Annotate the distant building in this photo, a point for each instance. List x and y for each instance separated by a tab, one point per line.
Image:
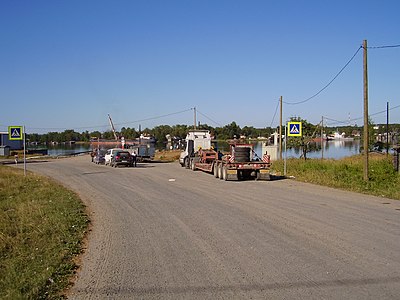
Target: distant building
14	145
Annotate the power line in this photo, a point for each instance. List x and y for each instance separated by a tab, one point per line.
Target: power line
156	117
382	47
117	124
359	118
64	128
276	109
209	118
329	83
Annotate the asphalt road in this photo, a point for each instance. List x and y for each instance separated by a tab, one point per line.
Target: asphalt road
163	232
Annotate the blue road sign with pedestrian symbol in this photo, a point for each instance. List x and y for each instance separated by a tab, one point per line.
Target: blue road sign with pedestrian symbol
15	133
294	129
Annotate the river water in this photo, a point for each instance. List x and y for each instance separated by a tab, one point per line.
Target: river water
332	149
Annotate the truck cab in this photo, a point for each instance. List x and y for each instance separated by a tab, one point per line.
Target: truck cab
195	140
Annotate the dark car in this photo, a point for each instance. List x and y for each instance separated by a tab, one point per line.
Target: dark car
121	158
99	157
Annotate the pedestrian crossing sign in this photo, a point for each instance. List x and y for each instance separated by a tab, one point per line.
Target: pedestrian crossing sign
294	129
15	133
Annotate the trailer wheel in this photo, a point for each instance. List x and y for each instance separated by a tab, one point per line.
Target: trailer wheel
215	170
192	165
220	171
224	173
186	162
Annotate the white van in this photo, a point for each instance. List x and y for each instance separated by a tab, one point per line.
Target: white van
110	154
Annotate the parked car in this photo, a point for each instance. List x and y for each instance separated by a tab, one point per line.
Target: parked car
109	155
123	158
99	157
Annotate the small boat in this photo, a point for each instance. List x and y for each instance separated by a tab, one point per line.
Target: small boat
339	136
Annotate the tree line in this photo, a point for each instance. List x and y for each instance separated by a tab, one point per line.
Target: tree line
158	132
226	132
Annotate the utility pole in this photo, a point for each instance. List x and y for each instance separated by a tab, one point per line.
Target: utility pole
322	138
366	135
194	117
23	131
387	128
280	130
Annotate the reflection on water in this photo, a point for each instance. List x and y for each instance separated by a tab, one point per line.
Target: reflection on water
336	149
332	149
55	150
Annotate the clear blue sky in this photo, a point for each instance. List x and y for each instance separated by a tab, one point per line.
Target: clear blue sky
67	64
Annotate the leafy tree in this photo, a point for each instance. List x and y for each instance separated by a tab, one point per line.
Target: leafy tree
33	137
160	133
305	142
85	136
108	135
95	134
129	133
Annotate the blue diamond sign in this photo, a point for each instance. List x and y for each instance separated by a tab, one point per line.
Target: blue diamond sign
15	133
294	129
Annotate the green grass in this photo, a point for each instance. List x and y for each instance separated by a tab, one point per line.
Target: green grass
42	226
347	174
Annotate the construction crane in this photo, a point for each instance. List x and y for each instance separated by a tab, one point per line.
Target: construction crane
112	127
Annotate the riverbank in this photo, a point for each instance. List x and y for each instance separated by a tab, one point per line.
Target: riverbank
347	174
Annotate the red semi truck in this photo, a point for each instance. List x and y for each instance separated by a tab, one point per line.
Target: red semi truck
240	163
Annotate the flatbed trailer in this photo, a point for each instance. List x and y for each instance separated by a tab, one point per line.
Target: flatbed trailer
237	165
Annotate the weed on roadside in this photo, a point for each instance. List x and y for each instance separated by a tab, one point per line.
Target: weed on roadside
347	174
42	225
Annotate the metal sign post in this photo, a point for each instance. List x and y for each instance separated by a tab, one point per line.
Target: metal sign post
284	164
17	133
24	150
292	129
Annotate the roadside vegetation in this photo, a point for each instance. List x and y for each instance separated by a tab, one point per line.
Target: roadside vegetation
347	174
42	226
167	155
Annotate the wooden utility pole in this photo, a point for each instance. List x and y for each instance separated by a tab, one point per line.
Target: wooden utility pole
387	128
366	135
322	138
195	118
280	130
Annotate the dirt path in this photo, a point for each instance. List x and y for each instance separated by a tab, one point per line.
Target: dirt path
163	232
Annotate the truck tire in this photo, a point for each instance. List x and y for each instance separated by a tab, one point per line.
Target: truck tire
192	165
224	173
220	171
186	162
215	170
